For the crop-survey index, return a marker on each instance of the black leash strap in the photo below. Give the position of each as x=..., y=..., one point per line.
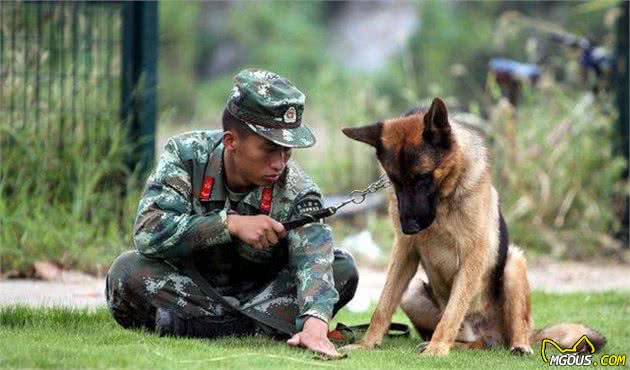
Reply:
x=344, y=335
x=396, y=329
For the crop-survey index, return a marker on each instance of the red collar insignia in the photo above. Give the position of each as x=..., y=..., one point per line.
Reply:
x=265, y=200
x=206, y=188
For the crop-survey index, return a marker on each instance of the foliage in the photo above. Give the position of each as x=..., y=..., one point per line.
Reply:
x=283, y=36
x=178, y=50
x=71, y=202
x=556, y=171
x=447, y=55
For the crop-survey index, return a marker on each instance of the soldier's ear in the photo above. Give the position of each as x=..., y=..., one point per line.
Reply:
x=367, y=134
x=229, y=140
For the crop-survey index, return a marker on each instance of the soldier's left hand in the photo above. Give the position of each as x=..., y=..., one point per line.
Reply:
x=314, y=336
x=259, y=231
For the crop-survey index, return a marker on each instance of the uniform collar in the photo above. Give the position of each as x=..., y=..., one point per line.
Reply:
x=254, y=197
x=215, y=170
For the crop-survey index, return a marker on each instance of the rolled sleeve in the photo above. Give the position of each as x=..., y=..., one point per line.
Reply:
x=311, y=250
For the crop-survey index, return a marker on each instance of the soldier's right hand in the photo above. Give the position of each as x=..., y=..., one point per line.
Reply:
x=259, y=231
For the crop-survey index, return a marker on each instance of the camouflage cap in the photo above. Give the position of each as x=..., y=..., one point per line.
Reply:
x=271, y=106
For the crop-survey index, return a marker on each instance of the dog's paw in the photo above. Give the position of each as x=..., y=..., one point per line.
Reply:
x=422, y=346
x=433, y=349
x=521, y=350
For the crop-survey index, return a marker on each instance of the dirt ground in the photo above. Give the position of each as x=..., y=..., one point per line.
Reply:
x=74, y=289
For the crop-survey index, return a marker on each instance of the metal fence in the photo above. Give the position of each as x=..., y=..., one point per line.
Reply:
x=67, y=66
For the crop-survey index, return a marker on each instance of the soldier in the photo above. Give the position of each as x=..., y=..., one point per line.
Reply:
x=211, y=255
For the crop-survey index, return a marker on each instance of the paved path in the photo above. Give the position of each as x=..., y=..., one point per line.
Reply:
x=69, y=289
x=553, y=277
x=78, y=290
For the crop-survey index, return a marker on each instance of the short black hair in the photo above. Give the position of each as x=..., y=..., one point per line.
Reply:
x=231, y=123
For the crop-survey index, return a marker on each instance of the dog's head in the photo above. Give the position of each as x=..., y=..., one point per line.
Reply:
x=418, y=154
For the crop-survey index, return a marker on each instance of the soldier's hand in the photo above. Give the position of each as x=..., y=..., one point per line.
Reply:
x=258, y=231
x=314, y=336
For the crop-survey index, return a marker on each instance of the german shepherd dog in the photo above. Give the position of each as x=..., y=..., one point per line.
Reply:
x=447, y=219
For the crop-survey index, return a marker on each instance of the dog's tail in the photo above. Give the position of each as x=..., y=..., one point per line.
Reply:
x=567, y=335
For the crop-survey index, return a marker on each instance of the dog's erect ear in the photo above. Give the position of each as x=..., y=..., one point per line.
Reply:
x=368, y=134
x=437, y=129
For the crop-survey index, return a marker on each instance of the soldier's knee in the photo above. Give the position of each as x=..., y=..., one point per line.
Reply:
x=345, y=273
x=120, y=270
x=118, y=275
x=129, y=269
x=122, y=299
x=124, y=263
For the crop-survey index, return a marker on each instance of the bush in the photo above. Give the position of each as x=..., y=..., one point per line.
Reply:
x=555, y=170
x=71, y=202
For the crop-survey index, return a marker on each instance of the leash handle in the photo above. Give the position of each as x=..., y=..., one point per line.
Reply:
x=307, y=218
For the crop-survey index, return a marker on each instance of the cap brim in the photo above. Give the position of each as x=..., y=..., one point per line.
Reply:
x=299, y=137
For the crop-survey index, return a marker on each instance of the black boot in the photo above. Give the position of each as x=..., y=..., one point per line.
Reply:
x=169, y=324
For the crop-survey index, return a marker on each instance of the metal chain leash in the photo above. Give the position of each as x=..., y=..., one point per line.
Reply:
x=356, y=197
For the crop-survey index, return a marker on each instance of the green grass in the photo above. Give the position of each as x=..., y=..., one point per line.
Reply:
x=61, y=338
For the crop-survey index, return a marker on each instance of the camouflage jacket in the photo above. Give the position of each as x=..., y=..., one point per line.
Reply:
x=183, y=211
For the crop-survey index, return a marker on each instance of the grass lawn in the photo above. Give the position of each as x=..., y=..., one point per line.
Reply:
x=59, y=338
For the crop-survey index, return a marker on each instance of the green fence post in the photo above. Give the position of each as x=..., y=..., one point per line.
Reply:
x=139, y=79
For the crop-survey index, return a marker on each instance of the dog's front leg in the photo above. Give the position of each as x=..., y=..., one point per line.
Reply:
x=466, y=284
x=402, y=267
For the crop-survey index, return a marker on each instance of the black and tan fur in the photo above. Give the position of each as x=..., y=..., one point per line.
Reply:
x=447, y=219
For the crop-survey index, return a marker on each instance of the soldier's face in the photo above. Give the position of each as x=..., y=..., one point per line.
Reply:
x=259, y=161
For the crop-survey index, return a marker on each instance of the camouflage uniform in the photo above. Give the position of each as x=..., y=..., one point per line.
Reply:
x=182, y=216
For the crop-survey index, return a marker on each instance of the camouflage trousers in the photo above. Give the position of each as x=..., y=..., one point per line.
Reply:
x=137, y=286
